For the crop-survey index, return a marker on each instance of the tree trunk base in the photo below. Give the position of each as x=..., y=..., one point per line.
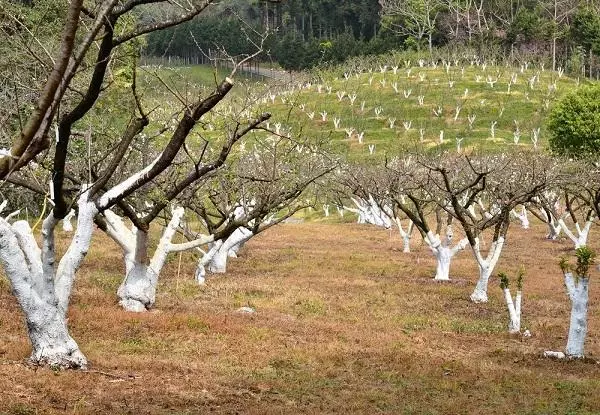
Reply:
x=479, y=296
x=133, y=305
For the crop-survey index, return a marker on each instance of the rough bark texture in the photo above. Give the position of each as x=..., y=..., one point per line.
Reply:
x=43, y=292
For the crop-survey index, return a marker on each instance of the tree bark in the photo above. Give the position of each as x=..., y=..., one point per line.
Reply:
x=577, y=288
x=41, y=290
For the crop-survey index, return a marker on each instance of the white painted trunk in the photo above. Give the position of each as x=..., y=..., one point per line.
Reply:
x=553, y=231
x=514, y=311
x=41, y=290
x=579, y=239
x=406, y=243
x=486, y=267
x=204, y=260
x=443, y=255
x=522, y=217
x=218, y=262
x=479, y=295
x=137, y=292
x=578, y=293
x=66, y=222
x=50, y=339
x=405, y=235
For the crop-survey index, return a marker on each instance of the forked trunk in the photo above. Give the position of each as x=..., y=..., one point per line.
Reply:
x=444, y=253
x=514, y=311
x=41, y=290
x=137, y=292
x=486, y=267
x=218, y=262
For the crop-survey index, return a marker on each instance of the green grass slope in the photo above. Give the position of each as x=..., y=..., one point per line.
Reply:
x=434, y=106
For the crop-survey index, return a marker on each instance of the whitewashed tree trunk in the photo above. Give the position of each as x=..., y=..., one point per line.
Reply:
x=554, y=230
x=137, y=292
x=204, y=260
x=443, y=253
x=577, y=288
x=41, y=290
x=66, y=222
x=486, y=267
x=582, y=233
x=514, y=311
x=521, y=217
x=218, y=262
x=405, y=235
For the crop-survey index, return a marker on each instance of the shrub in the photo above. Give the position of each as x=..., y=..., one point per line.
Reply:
x=574, y=123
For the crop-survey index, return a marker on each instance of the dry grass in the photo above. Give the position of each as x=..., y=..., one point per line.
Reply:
x=345, y=323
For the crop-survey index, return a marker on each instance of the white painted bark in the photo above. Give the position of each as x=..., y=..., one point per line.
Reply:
x=66, y=222
x=43, y=292
x=405, y=235
x=218, y=262
x=443, y=253
x=369, y=212
x=137, y=292
x=514, y=311
x=578, y=290
x=582, y=232
x=521, y=217
x=204, y=260
x=486, y=267
x=554, y=230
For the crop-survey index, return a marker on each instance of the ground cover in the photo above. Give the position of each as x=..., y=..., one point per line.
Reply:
x=344, y=323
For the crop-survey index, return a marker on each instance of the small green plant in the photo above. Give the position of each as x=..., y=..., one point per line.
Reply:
x=505, y=282
x=585, y=259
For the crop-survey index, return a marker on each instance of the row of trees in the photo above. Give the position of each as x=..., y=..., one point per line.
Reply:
x=78, y=134
x=479, y=196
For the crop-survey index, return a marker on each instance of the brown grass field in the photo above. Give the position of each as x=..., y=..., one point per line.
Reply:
x=344, y=323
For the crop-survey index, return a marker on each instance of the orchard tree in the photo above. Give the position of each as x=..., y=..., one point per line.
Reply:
x=577, y=280
x=480, y=192
x=74, y=81
x=263, y=188
x=413, y=193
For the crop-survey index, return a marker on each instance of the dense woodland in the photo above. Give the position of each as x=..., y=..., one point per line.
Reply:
x=307, y=33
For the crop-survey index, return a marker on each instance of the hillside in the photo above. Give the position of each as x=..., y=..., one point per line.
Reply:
x=366, y=112
x=442, y=107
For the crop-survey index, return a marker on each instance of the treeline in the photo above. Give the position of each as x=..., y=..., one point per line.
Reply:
x=306, y=33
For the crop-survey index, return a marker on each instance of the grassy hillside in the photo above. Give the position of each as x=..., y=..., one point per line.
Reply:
x=386, y=108
x=415, y=104
x=345, y=323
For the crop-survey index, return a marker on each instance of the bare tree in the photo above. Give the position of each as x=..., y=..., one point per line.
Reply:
x=415, y=18
x=42, y=288
x=480, y=193
x=265, y=187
